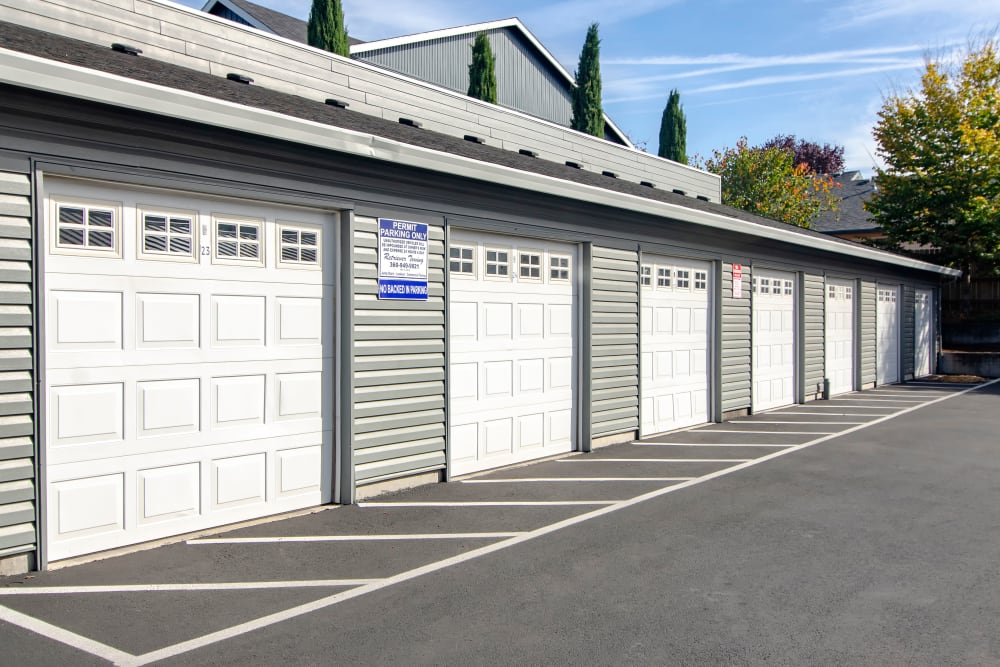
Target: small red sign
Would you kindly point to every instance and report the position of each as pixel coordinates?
(737, 271)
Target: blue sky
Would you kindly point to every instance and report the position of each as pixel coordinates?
(756, 68)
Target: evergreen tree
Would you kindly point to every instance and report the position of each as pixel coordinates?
(482, 71)
(587, 113)
(673, 130)
(326, 28)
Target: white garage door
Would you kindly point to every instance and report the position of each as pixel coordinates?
(674, 343)
(924, 341)
(887, 328)
(512, 332)
(840, 335)
(773, 339)
(188, 370)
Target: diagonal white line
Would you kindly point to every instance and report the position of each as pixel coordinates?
(353, 538)
(579, 460)
(159, 588)
(497, 503)
(813, 406)
(63, 636)
(576, 479)
(323, 603)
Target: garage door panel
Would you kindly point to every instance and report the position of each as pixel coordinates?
(85, 320)
(512, 346)
(887, 326)
(193, 392)
(773, 347)
(840, 335)
(674, 340)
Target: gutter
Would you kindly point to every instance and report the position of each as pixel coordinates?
(34, 73)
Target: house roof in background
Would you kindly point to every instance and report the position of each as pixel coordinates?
(267, 19)
(513, 24)
(853, 192)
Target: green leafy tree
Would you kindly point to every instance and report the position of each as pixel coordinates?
(941, 147)
(326, 29)
(482, 71)
(673, 130)
(767, 182)
(587, 113)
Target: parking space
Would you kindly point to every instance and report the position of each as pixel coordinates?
(211, 588)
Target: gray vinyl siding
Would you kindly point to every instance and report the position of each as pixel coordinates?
(17, 450)
(523, 81)
(735, 361)
(869, 336)
(614, 341)
(217, 46)
(399, 373)
(909, 323)
(813, 335)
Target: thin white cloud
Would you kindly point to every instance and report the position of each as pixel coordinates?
(742, 60)
(854, 13)
(795, 78)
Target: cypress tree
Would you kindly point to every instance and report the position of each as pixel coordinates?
(482, 71)
(673, 130)
(587, 114)
(326, 29)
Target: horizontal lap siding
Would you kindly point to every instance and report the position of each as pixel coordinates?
(735, 334)
(813, 335)
(209, 44)
(869, 340)
(615, 342)
(399, 369)
(909, 331)
(17, 450)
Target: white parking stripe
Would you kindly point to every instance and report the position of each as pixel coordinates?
(760, 421)
(354, 538)
(159, 588)
(497, 503)
(579, 460)
(879, 400)
(813, 406)
(825, 414)
(294, 612)
(710, 444)
(576, 479)
(63, 636)
(748, 431)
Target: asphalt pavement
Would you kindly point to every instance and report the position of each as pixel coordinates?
(862, 530)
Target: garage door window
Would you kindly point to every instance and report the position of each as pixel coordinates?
(497, 263)
(461, 260)
(87, 228)
(683, 279)
(559, 268)
(238, 242)
(788, 288)
(299, 247)
(662, 276)
(167, 235)
(700, 280)
(530, 265)
(646, 275)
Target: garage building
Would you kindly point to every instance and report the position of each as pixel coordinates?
(195, 329)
